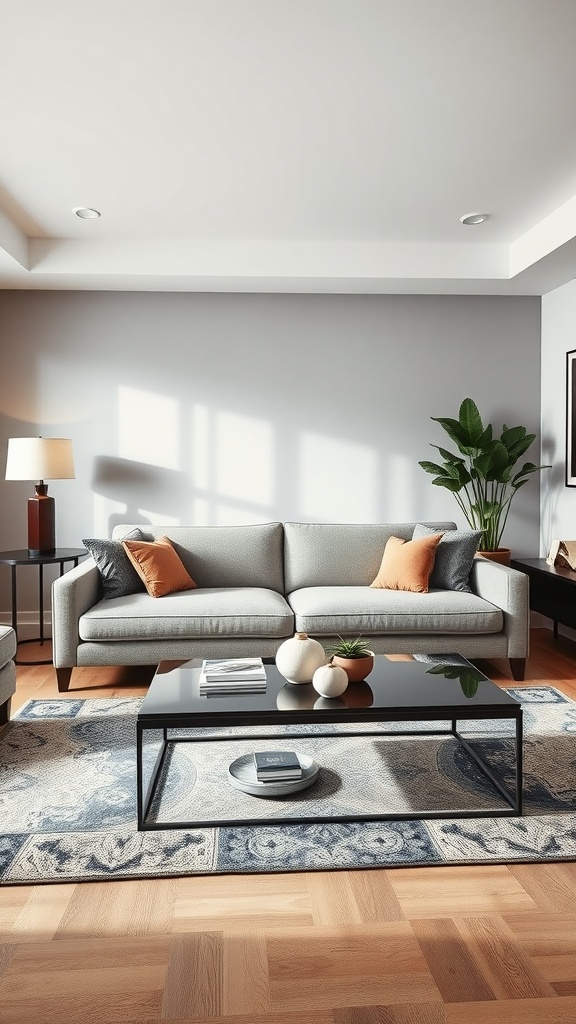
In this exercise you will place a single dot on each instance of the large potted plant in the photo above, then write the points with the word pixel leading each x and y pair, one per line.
pixel 482 476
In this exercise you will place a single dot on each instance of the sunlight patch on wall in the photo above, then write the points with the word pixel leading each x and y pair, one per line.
pixel 338 480
pixel 401 503
pixel 200 512
pixel 148 428
pixel 200 448
pixel 158 519
pixel 244 466
pixel 229 515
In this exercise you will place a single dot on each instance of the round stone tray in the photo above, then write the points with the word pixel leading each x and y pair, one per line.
pixel 242 775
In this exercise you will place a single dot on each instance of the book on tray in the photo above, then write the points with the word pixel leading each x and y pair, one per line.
pixel 277 766
pixel 231 669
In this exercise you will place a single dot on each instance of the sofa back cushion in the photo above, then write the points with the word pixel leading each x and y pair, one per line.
pixel 339 554
pixel 225 556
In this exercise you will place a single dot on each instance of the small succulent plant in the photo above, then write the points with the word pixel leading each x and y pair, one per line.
pixel 357 648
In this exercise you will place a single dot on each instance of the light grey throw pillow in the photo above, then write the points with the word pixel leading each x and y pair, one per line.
pixel 454 557
pixel 118 575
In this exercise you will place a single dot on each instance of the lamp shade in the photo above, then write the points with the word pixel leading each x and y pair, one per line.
pixel 40 458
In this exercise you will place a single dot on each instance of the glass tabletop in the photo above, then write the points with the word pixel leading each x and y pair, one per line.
pixel 440 682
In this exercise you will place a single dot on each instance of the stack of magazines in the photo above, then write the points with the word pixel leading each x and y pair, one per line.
pixel 223 677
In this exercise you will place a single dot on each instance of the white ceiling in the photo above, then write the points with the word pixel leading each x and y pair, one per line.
pixel 288 145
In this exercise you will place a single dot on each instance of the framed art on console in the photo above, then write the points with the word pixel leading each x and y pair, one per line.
pixel 571 418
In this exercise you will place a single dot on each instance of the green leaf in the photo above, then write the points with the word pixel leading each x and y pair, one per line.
pixel 432 467
pixel 470 422
pixel 453 429
pixel 450 485
pixel 469 682
pixel 467 677
pixel 447 671
pixel 517 450
pixel 512 435
pixel 486 437
pixel 449 456
pixel 493 463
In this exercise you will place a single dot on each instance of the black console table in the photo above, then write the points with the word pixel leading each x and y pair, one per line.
pixel 552 590
pixel 60 556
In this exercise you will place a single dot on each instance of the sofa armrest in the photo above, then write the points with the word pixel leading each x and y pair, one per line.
pixel 509 590
pixel 72 595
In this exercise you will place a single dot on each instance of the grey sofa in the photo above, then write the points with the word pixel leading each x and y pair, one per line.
pixel 259 584
pixel 7 670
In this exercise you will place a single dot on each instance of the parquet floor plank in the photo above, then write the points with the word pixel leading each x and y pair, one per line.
pixel 332 898
pixel 374 896
pixel 76 980
pixel 415 1013
pixel 506 968
pixel 245 983
pixel 12 900
pixel 103 908
pixel 464 890
pixel 194 977
pixel 457 974
pixel 551 886
pixel 556 1010
pixel 42 911
pixel 545 934
pixel 348 966
pixel 214 903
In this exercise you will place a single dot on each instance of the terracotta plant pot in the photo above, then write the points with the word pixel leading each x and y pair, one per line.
pixel 501 555
pixel 355 668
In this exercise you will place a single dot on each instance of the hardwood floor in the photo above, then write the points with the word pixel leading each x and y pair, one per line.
pixel 439 945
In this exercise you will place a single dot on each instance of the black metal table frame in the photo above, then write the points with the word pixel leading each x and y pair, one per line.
pixel 40 561
pixel 164 723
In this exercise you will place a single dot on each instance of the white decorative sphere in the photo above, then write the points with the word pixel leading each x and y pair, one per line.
pixel 329 703
pixel 298 658
pixel 293 697
pixel 330 680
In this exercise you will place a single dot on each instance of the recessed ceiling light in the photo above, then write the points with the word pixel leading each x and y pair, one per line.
pixel 85 213
pixel 473 218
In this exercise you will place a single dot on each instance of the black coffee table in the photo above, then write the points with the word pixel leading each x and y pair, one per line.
pixel 446 691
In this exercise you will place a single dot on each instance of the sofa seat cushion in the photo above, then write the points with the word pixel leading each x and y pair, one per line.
pixel 210 612
pixel 365 610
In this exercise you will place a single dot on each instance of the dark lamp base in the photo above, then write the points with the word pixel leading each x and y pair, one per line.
pixel 41 522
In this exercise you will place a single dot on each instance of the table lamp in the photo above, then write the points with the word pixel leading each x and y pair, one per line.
pixel 40 459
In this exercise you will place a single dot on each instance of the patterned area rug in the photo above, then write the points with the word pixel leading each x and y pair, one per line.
pixel 68 797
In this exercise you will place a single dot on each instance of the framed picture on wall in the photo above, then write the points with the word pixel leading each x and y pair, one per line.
pixel 571 418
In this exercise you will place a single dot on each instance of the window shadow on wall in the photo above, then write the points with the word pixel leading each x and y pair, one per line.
pixel 141 488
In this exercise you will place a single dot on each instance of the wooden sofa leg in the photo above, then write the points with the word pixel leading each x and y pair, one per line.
pixel 517 668
pixel 63 675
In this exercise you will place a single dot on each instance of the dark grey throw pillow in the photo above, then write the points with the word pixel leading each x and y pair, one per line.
pixel 454 557
pixel 118 575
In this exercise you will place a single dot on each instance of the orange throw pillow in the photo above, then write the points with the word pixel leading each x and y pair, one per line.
pixel 407 564
pixel 158 566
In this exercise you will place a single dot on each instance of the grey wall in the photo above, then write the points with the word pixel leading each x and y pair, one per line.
pixel 208 409
pixel 558 337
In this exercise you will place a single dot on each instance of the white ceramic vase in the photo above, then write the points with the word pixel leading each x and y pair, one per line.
pixel 298 658
pixel 330 680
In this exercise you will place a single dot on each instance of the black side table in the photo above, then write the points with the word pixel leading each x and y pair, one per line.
pixel 21 557
pixel 552 590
